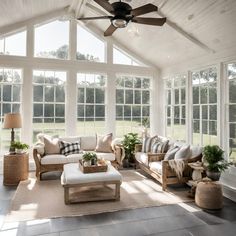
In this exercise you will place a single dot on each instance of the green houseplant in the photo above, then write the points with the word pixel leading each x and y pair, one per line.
pixel 129 141
pixel 214 161
pixel 89 158
pixel 19 146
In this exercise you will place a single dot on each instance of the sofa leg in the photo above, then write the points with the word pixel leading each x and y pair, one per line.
pixel 164 186
pixel 40 175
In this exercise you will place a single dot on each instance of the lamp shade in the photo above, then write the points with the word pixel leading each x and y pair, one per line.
pixel 12 120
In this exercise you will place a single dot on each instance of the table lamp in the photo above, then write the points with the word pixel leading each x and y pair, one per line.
pixel 11 121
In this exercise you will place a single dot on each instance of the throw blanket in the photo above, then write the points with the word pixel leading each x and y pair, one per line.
pixel 120 156
pixel 177 166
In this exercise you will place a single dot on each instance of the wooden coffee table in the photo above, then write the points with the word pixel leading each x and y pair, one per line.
pixel 73 177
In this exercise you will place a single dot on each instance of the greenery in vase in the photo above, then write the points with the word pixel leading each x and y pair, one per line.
pixel 89 156
pixel 145 122
pixel 19 145
pixel 215 162
pixel 129 142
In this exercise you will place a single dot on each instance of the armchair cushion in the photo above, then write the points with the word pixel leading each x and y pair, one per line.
pixel 142 157
pixel 171 153
pixel 156 166
pixel 183 153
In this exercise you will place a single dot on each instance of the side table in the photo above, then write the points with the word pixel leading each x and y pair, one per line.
pixel 15 168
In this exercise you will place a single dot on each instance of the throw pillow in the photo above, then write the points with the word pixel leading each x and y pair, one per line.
pixel 67 148
pixel 51 145
pixel 104 143
pixel 183 153
pixel 170 155
pixel 147 143
pixel 195 151
pixel 165 146
pixel 155 148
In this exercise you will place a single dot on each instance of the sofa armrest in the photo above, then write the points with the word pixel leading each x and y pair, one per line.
pixel 138 147
pixel 155 157
pixel 37 158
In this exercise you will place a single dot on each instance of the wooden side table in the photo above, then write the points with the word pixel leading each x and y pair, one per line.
pixel 15 168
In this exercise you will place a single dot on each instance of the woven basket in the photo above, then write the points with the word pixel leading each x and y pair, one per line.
pixel 16 168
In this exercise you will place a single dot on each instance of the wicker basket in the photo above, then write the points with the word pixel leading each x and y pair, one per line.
pixel 16 168
pixel 92 168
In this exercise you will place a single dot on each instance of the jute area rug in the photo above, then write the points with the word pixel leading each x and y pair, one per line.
pixel 45 199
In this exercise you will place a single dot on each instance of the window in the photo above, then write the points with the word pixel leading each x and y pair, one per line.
pixel 90 103
pixel 120 57
pixel 175 93
pixel 89 47
pixel 14 44
pixel 204 107
pixel 52 40
pixel 48 102
pixel 132 103
pixel 232 111
pixel 10 97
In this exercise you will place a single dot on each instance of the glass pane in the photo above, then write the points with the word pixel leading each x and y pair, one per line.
pixel 100 80
pixel 60 110
pixel 205 127
pixel 119 111
pixel 176 112
pixel 137 82
pixel 168 113
pixel 146 97
pixel 100 111
pixel 176 91
pixel 89 47
pixel 196 78
pixel 49 94
pixel 120 82
pixel 129 82
pixel 203 76
pixel 232 131
pixel 48 110
pixel 205 112
pixel 80 97
pixel 120 96
pixel 129 97
pixel 127 110
pixel 169 97
pixel 232 91
pixel 204 94
pixel 7 93
pixel 168 83
pixel 183 96
pixel 89 95
pixel 38 93
pixel 145 111
pixel 57 46
pixel 89 110
pixel 6 108
pixel 232 113
pixel 183 112
pixel 212 127
pixel 196 126
pixel 38 110
pixel 196 112
pixel 232 71
pixel 137 97
pixel 195 95
pixel 80 110
pixel 212 74
pixel 99 96
pixel 146 83
pixel 136 111
pixel 212 95
pixel 15 108
pixel 213 112
pixel 60 94
pixel 16 93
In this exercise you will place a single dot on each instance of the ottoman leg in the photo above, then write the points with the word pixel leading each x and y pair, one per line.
pixel 117 193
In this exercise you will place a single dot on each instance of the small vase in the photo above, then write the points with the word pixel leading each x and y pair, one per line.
pixel 214 176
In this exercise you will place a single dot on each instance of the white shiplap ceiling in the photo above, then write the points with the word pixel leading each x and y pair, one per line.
pixel 195 27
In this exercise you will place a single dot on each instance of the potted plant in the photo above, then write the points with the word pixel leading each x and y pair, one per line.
pixel 214 161
pixel 19 146
pixel 89 158
pixel 129 141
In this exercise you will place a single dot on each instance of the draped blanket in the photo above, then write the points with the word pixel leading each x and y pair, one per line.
pixel 119 156
pixel 178 167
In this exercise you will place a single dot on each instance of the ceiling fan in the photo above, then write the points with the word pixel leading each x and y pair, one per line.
pixel 123 13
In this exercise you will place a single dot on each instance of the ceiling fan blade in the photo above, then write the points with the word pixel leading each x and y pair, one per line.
pixel 144 9
pixel 110 30
pixel 94 18
pixel 105 4
pixel 149 21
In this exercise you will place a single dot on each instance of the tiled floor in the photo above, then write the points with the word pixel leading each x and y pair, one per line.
pixel 176 220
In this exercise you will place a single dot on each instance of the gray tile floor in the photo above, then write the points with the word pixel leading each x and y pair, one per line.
pixel 176 220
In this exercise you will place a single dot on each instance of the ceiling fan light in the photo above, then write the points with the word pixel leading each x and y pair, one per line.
pixel 119 23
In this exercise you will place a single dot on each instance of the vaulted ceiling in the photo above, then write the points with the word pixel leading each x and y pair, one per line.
pixel 194 28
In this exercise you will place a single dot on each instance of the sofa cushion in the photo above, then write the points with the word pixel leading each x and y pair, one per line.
pixel 195 151
pixel 54 159
pixel 142 157
pixel 183 153
pixel 67 148
pixel 88 143
pixel 170 155
pixel 104 143
pixel 156 166
pixel 74 157
pixel 106 155
pixel 147 143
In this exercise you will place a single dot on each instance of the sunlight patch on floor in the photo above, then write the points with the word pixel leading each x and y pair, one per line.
pixel 189 208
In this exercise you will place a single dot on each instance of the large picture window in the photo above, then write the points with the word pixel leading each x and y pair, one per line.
pixel 52 40
pixel 232 111
pixel 204 85
pixel 10 100
pixel 132 103
pixel 49 102
pixel 91 103
pixel 175 93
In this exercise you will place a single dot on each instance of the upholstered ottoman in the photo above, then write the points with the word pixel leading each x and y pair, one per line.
pixel 73 177
pixel 209 195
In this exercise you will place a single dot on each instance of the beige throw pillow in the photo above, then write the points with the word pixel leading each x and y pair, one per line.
pixel 51 145
pixel 104 143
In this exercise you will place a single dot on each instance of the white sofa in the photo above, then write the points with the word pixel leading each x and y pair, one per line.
pixel 54 161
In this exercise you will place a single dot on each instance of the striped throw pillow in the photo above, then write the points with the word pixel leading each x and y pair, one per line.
pixel 147 143
pixel 155 147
